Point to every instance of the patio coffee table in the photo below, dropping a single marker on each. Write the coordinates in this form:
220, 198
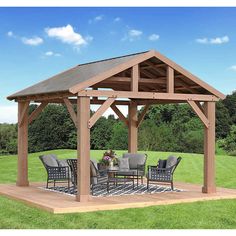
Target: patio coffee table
115, 179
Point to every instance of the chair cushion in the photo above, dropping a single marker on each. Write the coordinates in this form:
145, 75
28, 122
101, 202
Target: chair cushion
50, 160
93, 171
171, 160
135, 159
123, 163
161, 163
62, 163
95, 163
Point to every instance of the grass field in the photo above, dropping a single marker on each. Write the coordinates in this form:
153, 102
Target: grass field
208, 214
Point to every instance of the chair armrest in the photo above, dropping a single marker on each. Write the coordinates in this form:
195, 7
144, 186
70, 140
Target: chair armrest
103, 172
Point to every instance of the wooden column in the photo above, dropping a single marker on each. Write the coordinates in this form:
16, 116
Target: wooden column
170, 80
133, 130
209, 149
22, 174
135, 78
83, 149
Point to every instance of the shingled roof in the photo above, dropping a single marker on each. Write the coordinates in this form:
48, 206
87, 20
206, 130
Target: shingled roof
94, 72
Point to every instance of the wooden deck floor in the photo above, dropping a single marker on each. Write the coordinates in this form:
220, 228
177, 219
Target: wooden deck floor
62, 203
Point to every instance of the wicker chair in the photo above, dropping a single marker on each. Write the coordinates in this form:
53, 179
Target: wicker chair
55, 171
73, 168
97, 177
157, 174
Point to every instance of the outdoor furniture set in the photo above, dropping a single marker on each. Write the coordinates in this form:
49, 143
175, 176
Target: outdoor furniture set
130, 169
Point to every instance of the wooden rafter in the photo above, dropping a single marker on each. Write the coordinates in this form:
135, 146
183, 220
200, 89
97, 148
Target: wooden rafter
159, 70
111, 72
119, 114
24, 110
71, 110
189, 75
148, 95
142, 115
199, 113
36, 112
100, 111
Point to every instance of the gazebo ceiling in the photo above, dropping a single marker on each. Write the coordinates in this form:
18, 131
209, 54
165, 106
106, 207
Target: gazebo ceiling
115, 73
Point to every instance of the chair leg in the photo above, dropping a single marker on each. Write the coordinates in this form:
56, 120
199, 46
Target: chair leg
147, 184
108, 186
142, 179
54, 184
172, 186
47, 184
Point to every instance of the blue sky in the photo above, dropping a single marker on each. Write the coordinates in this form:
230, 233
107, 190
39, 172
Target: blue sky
36, 43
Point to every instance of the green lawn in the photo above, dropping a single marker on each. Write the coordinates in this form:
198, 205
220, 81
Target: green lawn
208, 214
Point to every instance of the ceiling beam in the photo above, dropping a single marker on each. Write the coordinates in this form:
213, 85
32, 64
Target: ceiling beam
147, 95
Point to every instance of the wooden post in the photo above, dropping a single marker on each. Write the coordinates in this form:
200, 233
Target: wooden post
133, 130
135, 78
83, 149
22, 174
209, 149
170, 80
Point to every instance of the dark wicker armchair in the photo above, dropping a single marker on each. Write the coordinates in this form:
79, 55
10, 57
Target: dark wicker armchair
158, 174
55, 171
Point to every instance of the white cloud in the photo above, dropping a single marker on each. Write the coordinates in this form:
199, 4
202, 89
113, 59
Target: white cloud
35, 41
117, 19
132, 35
233, 68
10, 34
153, 37
66, 34
96, 19
217, 40
135, 33
50, 53
8, 114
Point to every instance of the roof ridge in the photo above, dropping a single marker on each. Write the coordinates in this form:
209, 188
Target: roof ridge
112, 58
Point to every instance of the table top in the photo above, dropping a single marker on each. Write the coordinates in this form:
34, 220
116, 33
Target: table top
115, 169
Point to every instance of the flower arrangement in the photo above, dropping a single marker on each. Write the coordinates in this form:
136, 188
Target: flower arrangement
109, 157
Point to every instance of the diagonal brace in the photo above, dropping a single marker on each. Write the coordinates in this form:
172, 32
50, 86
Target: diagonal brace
71, 110
199, 113
100, 111
36, 112
119, 114
142, 115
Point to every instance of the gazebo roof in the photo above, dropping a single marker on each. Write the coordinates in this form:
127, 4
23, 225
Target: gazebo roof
114, 73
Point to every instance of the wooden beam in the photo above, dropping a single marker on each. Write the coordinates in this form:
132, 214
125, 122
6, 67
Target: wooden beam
24, 109
135, 78
159, 70
117, 69
170, 80
100, 111
71, 110
22, 161
83, 150
142, 115
119, 114
209, 150
199, 113
148, 95
36, 112
133, 130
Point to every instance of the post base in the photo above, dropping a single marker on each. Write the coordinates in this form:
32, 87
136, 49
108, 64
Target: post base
208, 190
22, 184
83, 198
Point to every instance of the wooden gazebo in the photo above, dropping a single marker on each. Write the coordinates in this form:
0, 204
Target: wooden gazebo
144, 78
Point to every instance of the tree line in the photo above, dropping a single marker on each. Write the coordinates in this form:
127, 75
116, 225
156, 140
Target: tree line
173, 127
